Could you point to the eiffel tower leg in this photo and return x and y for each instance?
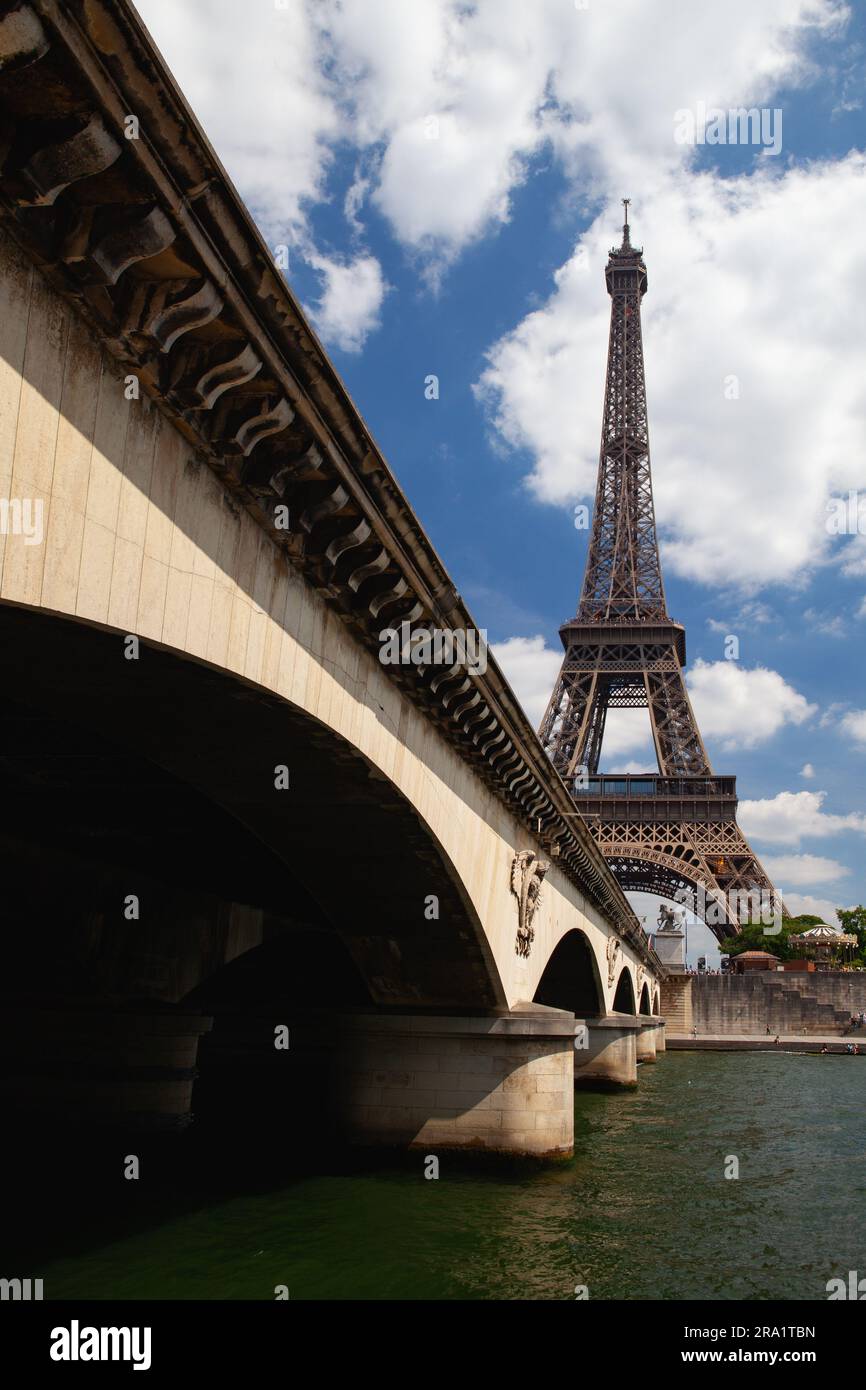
(679, 746)
(737, 873)
(589, 753)
(568, 719)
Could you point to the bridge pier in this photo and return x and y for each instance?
(131, 1068)
(645, 1040)
(609, 1061)
(499, 1084)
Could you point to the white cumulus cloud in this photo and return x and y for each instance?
(800, 903)
(756, 403)
(854, 725)
(448, 107)
(803, 870)
(531, 669)
(454, 99)
(743, 706)
(627, 731)
(351, 299)
(789, 817)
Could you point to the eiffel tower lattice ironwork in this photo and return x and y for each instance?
(673, 834)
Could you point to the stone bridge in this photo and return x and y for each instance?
(237, 844)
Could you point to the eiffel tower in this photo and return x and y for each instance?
(674, 833)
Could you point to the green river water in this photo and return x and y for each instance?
(642, 1211)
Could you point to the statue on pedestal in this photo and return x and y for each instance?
(669, 919)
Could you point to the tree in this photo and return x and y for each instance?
(853, 920)
(752, 937)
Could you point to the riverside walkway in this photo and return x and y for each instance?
(752, 1042)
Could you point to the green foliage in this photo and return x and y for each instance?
(853, 920)
(752, 938)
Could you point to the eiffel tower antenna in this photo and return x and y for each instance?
(675, 832)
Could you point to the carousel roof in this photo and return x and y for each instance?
(824, 933)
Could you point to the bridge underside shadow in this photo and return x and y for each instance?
(177, 919)
(164, 771)
(571, 979)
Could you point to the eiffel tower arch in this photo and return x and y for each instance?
(675, 832)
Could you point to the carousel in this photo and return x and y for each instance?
(826, 946)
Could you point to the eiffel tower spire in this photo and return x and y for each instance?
(623, 651)
(623, 578)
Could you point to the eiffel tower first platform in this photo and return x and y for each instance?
(673, 834)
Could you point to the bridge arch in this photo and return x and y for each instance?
(644, 1006)
(571, 978)
(115, 740)
(656, 1003)
(624, 996)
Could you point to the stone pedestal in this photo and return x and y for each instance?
(670, 949)
(610, 1059)
(660, 1035)
(500, 1084)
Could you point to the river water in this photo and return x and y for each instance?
(643, 1211)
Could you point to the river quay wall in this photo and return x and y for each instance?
(819, 1004)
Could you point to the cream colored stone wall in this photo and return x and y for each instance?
(676, 1004)
(459, 1083)
(142, 538)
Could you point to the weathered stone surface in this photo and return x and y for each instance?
(785, 1002)
(610, 1060)
(528, 1110)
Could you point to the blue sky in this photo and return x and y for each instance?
(446, 177)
